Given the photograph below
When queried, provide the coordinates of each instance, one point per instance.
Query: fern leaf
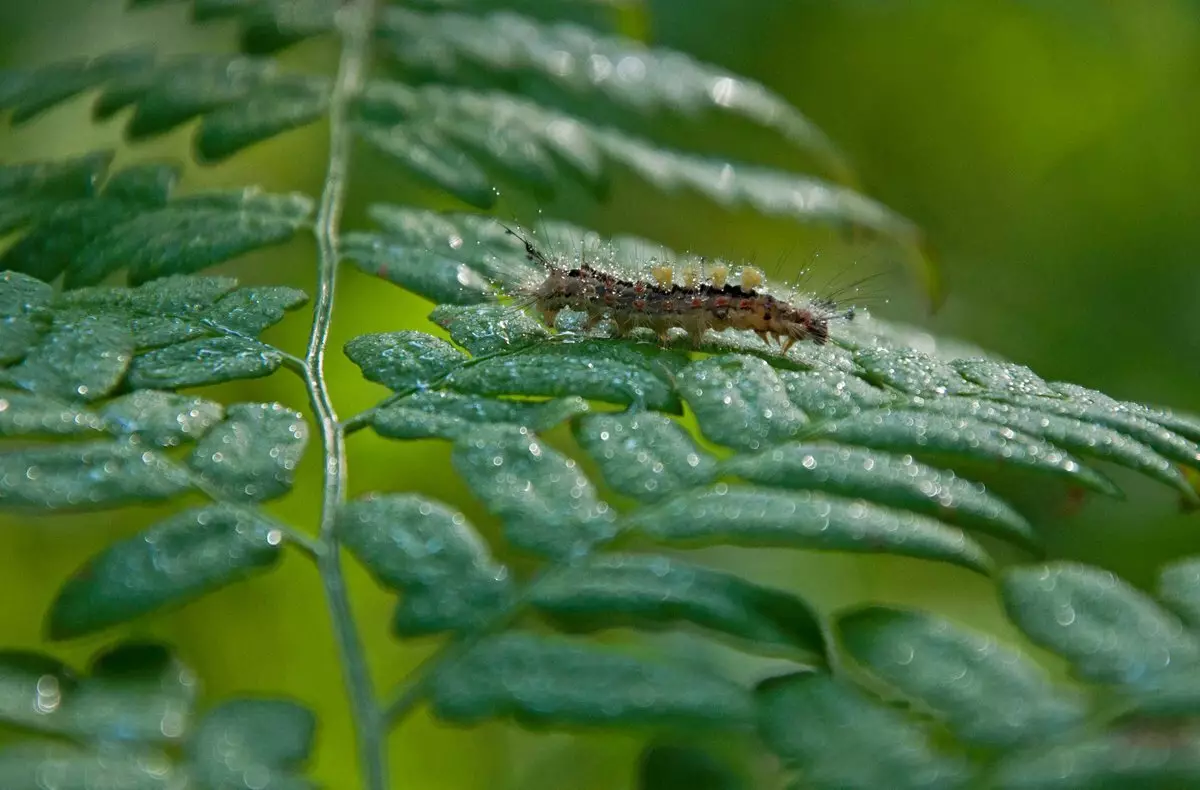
(1109, 631)
(165, 419)
(173, 562)
(555, 682)
(253, 454)
(429, 553)
(835, 736)
(548, 506)
(606, 80)
(197, 363)
(268, 739)
(1008, 700)
(447, 415)
(647, 590)
(87, 475)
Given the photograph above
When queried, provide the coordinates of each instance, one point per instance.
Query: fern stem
(354, 24)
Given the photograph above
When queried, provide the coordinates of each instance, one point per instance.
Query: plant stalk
(354, 24)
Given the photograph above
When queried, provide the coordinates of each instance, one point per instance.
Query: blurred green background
(1048, 149)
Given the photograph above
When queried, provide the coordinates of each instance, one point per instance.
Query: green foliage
(576, 445)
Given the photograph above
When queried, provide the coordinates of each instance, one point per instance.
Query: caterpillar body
(696, 299)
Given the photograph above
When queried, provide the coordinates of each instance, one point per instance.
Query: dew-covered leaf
(82, 357)
(1130, 757)
(909, 430)
(988, 694)
(173, 562)
(603, 370)
(643, 455)
(546, 503)
(835, 737)
(23, 303)
(826, 394)
(249, 311)
(487, 329)
(135, 692)
(911, 371)
(749, 516)
(189, 234)
(208, 360)
(1109, 631)
(253, 454)
(87, 475)
(29, 189)
(244, 744)
(1008, 377)
(429, 156)
(551, 682)
(1179, 588)
(430, 554)
(476, 240)
(1078, 436)
(646, 590)
(519, 55)
(893, 480)
(1120, 418)
(26, 766)
(27, 414)
(279, 106)
(404, 360)
(162, 418)
(740, 401)
(434, 276)
(430, 414)
(30, 92)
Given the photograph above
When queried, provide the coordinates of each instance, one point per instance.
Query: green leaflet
(23, 313)
(1110, 632)
(552, 682)
(162, 418)
(31, 188)
(81, 358)
(547, 505)
(280, 105)
(447, 415)
(1075, 435)
(405, 360)
(246, 743)
(188, 235)
(429, 553)
(25, 766)
(430, 274)
(176, 561)
(947, 436)
(29, 92)
(645, 590)
(249, 311)
(910, 371)
(27, 414)
(746, 516)
(604, 370)
(478, 241)
(253, 454)
(87, 475)
(827, 394)
(892, 480)
(836, 737)
(1108, 760)
(427, 154)
(740, 402)
(643, 455)
(988, 694)
(445, 45)
(1006, 377)
(1179, 588)
(132, 693)
(209, 360)
(487, 329)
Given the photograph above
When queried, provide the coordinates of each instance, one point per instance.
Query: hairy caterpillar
(696, 299)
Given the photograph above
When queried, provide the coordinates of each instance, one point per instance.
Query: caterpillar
(696, 299)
